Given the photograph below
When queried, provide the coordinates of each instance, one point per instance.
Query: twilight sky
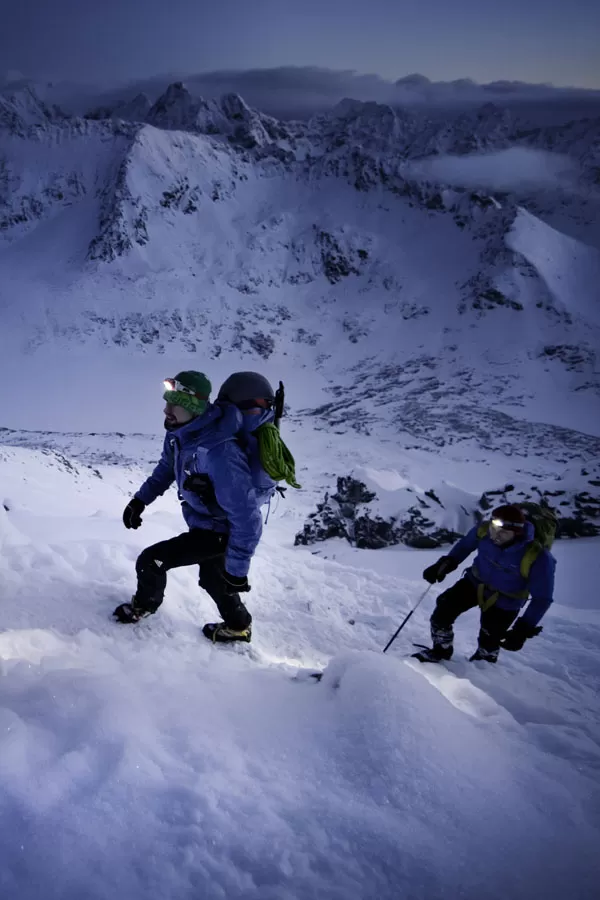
(111, 41)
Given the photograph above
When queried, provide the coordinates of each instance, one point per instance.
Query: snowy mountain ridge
(340, 245)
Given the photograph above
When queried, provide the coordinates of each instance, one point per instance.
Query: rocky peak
(175, 109)
(228, 117)
(135, 110)
(365, 127)
(489, 127)
(23, 108)
(234, 107)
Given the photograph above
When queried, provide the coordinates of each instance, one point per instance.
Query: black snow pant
(494, 622)
(205, 549)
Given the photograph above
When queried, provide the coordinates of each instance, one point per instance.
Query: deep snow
(143, 762)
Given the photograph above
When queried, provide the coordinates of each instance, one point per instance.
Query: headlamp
(504, 523)
(171, 384)
(503, 531)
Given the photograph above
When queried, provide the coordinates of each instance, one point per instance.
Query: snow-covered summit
(230, 117)
(135, 109)
(23, 108)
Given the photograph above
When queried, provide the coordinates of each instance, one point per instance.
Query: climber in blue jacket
(219, 504)
(509, 571)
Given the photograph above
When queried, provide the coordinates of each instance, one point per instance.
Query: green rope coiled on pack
(275, 457)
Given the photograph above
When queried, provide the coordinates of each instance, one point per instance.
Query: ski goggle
(258, 403)
(171, 384)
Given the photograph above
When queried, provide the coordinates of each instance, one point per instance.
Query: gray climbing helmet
(244, 388)
(267, 452)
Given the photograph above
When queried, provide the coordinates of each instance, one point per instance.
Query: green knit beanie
(195, 402)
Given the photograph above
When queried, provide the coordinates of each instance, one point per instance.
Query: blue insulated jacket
(263, 483)
(499, 569)
(207, 446)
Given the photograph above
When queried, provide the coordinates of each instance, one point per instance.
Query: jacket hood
(529, 534)
(251, 423)
(217, 424)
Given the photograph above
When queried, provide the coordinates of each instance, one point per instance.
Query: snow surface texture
(144, 762)
(437, 328)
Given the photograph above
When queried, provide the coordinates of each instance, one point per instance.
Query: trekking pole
(318, 675)
(417, 604)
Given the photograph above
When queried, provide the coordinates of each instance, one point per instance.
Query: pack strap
(485, 602)
(487, 596)
(529, 557)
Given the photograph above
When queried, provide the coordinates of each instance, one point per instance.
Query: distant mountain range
(442, 273)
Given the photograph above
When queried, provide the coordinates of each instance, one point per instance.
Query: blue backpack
(261, 408)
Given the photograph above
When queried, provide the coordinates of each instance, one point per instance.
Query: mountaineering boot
(442, 639)
(129, 613)
(219, 633)
(434, 654)
(490, 656)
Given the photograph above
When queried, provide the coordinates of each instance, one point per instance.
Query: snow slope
(146, 763)
(431, 333)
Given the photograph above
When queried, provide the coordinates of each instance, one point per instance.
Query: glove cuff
(235, 580)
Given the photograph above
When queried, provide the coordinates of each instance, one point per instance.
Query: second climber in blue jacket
(495, 583)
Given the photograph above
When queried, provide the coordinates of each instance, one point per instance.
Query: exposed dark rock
(574, 358)
(340, 515)
(337, 263)
(346, 514)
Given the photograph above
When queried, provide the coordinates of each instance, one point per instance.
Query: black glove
(132, 515)
(518, 634)
(234, 584)
(439, 570)
(128, 614)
